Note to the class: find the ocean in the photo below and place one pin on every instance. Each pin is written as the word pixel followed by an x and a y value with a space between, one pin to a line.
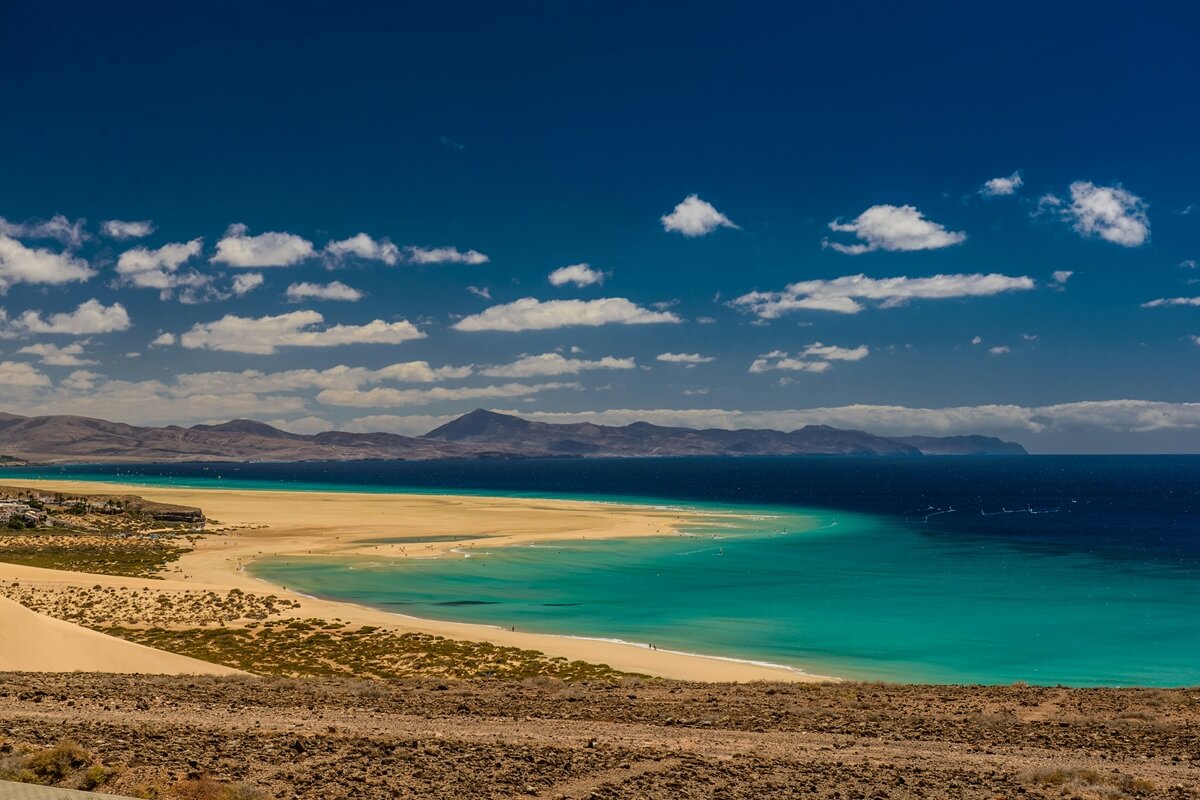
pixel 1074 570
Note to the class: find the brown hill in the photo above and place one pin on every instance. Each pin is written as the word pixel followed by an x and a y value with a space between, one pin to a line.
pixel 479 434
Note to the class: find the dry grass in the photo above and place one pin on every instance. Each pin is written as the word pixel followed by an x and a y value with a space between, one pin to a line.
pixel 1090 783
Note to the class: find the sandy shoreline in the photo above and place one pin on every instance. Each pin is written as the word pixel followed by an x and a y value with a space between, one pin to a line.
pixel 263 523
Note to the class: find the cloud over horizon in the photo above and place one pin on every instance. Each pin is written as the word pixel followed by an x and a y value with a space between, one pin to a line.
pixel 265 335
pixel 531 314
pixel 844 295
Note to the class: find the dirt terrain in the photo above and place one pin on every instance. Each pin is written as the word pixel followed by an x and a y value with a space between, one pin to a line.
pixel 334 738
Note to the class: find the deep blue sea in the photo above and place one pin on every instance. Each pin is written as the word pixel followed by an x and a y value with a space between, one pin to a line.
pixel 1081 570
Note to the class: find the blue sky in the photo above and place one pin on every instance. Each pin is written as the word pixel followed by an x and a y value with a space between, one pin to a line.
pixel 354 213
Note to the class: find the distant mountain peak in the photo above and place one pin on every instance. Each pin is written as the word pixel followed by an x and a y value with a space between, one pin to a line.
pixel 479 422
pixel 247 426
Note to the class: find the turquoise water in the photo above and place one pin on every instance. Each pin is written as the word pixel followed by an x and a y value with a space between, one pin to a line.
pixel 1073 570
pixel 841 594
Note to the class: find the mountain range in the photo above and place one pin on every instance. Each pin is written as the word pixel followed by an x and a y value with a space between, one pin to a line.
pixel 479 434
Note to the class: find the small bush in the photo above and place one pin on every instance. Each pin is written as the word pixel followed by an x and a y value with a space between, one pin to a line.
pixel 59 762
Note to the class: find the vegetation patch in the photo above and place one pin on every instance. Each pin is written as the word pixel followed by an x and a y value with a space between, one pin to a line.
pixel 101 555
pixel 318 648
pixel 65 764
pixel 1092 783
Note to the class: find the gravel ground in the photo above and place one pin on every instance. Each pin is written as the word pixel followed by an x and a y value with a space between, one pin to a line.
pixel 333 738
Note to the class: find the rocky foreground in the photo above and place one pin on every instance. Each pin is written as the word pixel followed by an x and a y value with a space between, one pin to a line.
pixel 333 738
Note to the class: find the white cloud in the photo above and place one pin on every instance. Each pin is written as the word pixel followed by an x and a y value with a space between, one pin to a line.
pixel 263 335
pixel 531 314
pixel 842 295
pixel 338 377
pixel 695 217
pixel 21 264
pixel 328 291
pixel 894 228
pixel 480 291
pixel 70 355
pixel 997 187
pixel 91 316
pixel 696 392
pixel 1110 212
pixel 384 397
pixel 816 357
pixel 1061 276
pixel 246 282
pixel 19 374
pixel 363 246
pixel 691 359
pixel 578 274
pixel 444 255
pixel 999 350
pixel 163 340
pixel 555 364
pixel 158 268
pixel 1188 263
pixel 271 249
pixel 126 229
pixel 69 234
pixel 977 340
pixel 1163 302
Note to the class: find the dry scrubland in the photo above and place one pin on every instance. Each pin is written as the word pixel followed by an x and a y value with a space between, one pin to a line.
pixel 336 738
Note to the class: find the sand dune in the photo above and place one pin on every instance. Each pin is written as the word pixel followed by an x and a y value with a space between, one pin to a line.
pixel 31 642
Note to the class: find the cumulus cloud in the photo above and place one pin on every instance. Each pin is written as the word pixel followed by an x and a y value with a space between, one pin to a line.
pixel 695 217
pixel 444 255
pixel 246 282
pixel 90 317
pixel 997 187
pixel 691 359
pixel 338 377
pixel 555 364
pixel 21 264
pixel 163 340
pixel 364 247
pixel 1111 212
pixel 159 268
pixel 126 229
pixel 1061 276
pixel 386 397
pixel 69 234
pixel 70 355
pixel 271 249
pixel 816 357
pixel 843 295
pixel 894 228
pixel 15 374
pixel 531 314
pixel 577 274
pixel 336 290
pixel 264 335
pixel 1000 350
